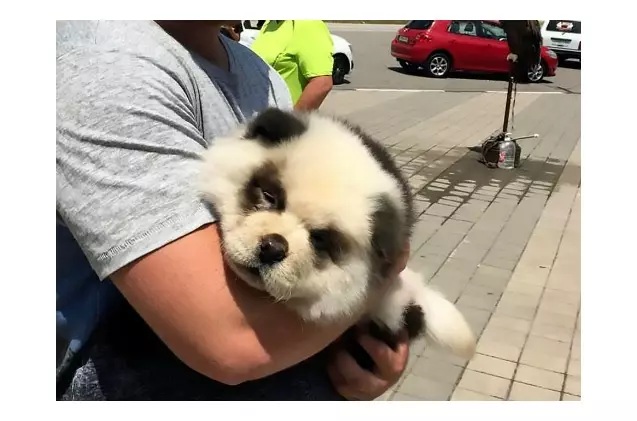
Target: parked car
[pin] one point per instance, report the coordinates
(564, 37)
(343, 56)
(442, 46)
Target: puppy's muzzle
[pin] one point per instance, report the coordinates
(272, 249)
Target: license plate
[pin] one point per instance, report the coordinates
(402, 38)
(560, 41)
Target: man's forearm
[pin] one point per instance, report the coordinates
(213, 322)
(314, 93)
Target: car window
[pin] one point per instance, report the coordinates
(572, 26)
(463, 27)
(419, 24)
(492, 31)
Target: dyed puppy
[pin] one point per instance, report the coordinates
(315, 213)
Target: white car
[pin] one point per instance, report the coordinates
(343, 57)
(564, 37)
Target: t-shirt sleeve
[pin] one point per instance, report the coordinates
(314, 48)
(127, 150)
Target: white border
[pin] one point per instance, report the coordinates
(28, 99)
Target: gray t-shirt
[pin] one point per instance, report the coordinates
(135, 110)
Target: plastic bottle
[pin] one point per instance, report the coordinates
(507, 149)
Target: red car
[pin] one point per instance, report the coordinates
(441, 46)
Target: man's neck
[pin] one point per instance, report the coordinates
(201, 37)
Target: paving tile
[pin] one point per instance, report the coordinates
(512, 323)
(551, 318)
(440, 210)
(498, 350)
(540, 359)
(554, 332)
(574, 367)
(426, 389)
(490, 365)
(430, 368)
(461, 394)
(476, 318)
(484, 383)
(539, 377)
(480, 297)
(515, 310)
(572, 386)
(403, 397)
(525, 392)
(504, 336)
(567, 397)
(490, 276)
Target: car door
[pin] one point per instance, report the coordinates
(464, 45)
(496, 47)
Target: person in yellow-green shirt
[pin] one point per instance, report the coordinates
(301, 52)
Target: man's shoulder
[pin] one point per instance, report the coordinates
(144, 39)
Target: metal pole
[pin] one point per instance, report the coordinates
(507, 111)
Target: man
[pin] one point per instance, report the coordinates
(301, 52)
(137, 103)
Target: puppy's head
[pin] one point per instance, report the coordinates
(308, 213)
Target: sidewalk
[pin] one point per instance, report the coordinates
(505, 245)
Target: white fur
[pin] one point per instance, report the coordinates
(330, 178)
(445, 325)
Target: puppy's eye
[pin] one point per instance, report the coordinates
(321, 239)
(269, 198)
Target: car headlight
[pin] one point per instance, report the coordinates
(551, 54)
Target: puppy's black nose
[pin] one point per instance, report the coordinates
(273, 249)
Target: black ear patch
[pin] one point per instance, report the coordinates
(388, 236)
(274, 126)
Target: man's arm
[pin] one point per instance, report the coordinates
(212, 321)
(314, 93)
(316, 63)
(127, 150)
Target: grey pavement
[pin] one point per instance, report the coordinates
(503, 245)
(374, 67)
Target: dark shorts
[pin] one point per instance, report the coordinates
(124, 360)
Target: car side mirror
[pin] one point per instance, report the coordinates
(502, 39)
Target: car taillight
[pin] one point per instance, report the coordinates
(422, 37)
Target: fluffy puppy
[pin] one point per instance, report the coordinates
(315, 213)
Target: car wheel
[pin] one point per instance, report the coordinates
(438, 65)
(536, 73)
(341, 67)
(410, 67)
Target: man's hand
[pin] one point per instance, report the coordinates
(355, 383)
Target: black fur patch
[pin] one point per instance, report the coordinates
(274, 126)
(414, 320)
(329, 243)
(387, 238)
(264, 190)
(387, 163)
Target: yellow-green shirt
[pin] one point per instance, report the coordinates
(297, 49)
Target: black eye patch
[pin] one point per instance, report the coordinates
(329, 243)
(264, 190)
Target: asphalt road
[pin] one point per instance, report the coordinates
(374, 67)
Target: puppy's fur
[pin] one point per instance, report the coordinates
(315, 213)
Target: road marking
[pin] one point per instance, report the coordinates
(455, 91)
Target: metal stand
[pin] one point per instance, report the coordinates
(506, 134)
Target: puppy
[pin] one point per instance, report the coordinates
(315, 213)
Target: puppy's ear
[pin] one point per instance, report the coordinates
(387, 235)
(274, 126)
